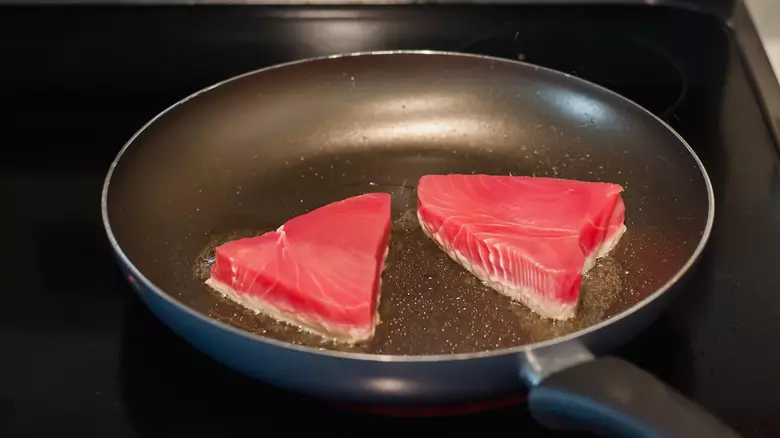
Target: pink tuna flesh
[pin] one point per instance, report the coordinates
(320, 271)
(528, 238)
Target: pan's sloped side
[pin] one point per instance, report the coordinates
(338, 378)
(373, 379)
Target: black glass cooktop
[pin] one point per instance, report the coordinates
(79, 354)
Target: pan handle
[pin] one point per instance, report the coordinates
(612, 397)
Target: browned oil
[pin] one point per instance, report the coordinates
(431, 305)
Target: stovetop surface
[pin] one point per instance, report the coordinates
(80, 353)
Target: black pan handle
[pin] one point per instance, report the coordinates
(611, 397)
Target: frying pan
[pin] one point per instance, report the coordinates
(245, 155)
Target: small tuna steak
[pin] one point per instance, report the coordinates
(530, 239)
(320, 271)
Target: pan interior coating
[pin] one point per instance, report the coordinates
(243, 158)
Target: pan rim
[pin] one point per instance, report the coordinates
(369, 357)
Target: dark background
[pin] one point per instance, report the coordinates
(79, 354)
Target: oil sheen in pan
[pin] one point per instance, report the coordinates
(431, 305)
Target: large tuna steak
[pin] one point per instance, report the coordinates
(528, 238)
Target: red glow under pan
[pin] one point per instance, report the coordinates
(438, 411)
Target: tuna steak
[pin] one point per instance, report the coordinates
(530, 239)
(320, 271)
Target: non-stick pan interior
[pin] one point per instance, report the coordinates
(244, 157)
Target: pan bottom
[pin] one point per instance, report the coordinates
(430, 304)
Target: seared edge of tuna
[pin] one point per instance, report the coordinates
(344, 333)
